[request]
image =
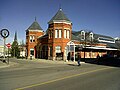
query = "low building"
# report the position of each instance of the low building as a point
(22, 50)
(32, 34)
(2, 51)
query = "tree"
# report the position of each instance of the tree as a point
(22, 49)
(15, 51)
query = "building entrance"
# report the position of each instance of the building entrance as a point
(70, 52)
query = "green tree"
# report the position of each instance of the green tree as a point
(15, 51)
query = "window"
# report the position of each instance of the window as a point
(91, 36)
(56, 33)
(58, 49)
(68, 34)
(32, 51)
(65, 33)
(82, 35)
(60, 33)
(71, 48)
(50, 34)
(32, 39)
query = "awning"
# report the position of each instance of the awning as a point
(101, 48)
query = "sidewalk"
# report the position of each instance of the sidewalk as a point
(4, 65)
(53, 61)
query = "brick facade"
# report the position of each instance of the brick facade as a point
(57, 42)
(31, 44)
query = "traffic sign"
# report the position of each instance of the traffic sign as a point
(8, 45)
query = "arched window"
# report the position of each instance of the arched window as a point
(33, 38)
(58, 49)
(30, 38)
(91, 36)
(68, 34)
(60, 33)
(65, 36)
(56, 33)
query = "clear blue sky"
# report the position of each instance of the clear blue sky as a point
(99, 16)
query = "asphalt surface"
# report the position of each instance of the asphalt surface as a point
(91, 81)
(55, 75)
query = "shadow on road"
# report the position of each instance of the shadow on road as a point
(72, 64)
(105, 61)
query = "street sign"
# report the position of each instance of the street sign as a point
(8, 45)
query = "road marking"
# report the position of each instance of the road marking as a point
(51, 81)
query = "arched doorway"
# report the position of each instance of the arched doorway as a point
(59, 53)
(44, 52)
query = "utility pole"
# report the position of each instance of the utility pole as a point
(4, 47)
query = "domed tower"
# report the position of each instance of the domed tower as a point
(59, 34)
(32, 34)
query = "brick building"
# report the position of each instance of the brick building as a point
(60, 42)
(32, 34)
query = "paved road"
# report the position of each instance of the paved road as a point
(100, 80)
(31, 75)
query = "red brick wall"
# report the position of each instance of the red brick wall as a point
(59, 41)
(29, 44)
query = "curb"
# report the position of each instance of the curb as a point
(52, 61)
(4, 65)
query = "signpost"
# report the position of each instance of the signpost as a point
(8, 45)
(4, 33)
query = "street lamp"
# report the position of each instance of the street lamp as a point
(4, 33)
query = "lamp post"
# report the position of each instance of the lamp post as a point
(8, 45)
(4, 47)
(4, 33)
